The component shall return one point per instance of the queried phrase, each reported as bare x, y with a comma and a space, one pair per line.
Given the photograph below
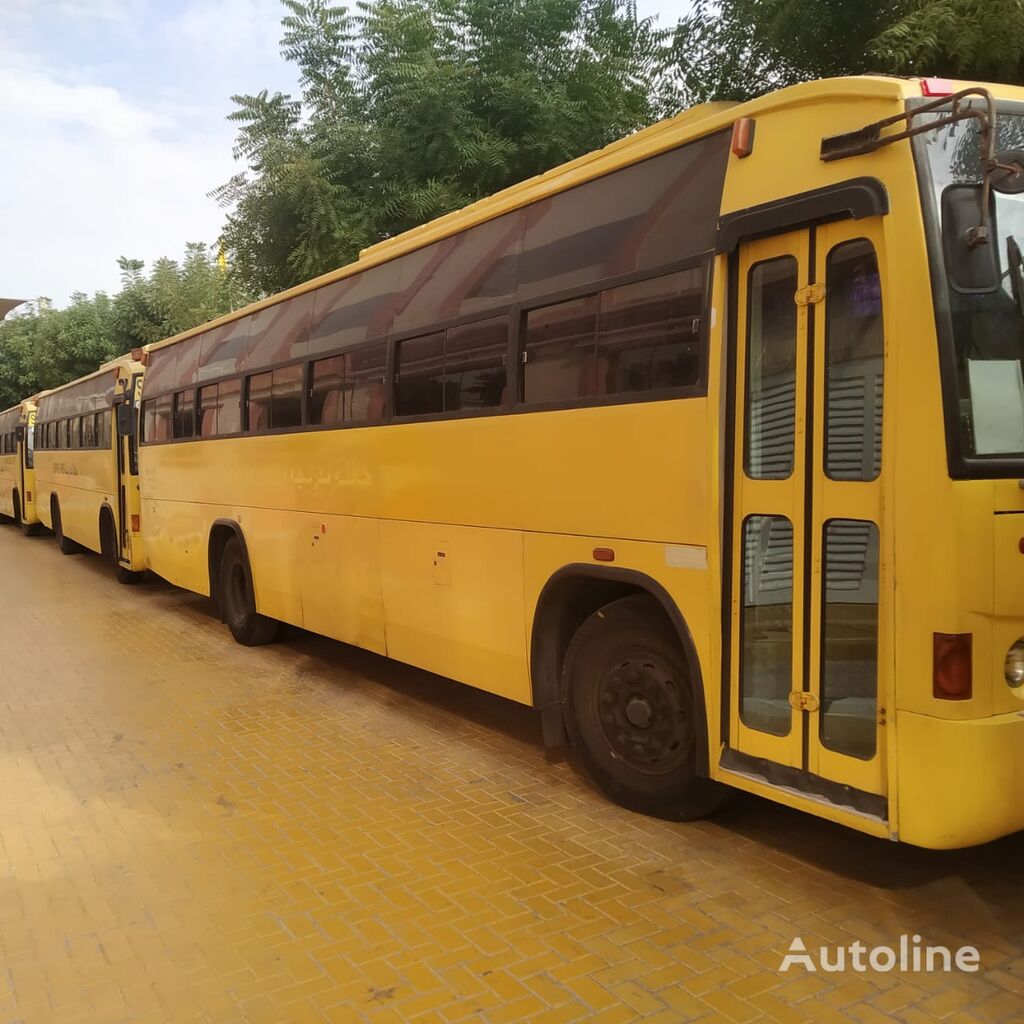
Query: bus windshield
987, 329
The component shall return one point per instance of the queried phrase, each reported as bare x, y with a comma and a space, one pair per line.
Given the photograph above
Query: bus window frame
516, 312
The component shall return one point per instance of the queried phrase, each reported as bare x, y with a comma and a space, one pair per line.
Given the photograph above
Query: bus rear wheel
66, 544
237, 601
630, 712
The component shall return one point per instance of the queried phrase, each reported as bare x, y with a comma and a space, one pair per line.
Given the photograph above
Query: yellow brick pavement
194, 831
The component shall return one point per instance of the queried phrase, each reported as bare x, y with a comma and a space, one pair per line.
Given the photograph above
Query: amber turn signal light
951, 666
743, 137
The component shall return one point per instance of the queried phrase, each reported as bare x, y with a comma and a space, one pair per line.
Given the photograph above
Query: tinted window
184, 413
103, 428
635, 219
849, 647
365, 372
419, 376
770, 419
258, 402
229, 406
327, 392
766, 624
474, 364
89, 431
853, 363
348, 388
560, 353
206, 414
286, 397
157, 417
650, 334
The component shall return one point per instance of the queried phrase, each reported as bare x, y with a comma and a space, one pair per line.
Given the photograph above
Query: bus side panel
340, 578
453, 600
84, 481
177, 538
8, 483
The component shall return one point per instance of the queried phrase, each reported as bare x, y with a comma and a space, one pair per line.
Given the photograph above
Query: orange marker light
743, 137
604, 555
136, 524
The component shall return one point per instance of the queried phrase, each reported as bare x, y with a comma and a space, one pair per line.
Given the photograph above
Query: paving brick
196, 831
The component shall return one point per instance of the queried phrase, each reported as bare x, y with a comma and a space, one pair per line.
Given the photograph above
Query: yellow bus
706, 445
87, 468
17, 466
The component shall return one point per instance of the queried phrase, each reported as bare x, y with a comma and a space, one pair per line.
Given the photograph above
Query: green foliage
973, 39
43, 347
736, 49
412, 108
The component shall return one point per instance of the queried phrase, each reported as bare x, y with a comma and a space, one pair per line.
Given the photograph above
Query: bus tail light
136, 524
951, 666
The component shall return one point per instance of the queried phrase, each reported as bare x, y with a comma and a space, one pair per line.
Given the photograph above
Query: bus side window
184, 414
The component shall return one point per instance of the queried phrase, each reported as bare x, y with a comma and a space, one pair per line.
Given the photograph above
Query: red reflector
951, 666
937, 87
28, 497
743, 137
136, 524
604, 555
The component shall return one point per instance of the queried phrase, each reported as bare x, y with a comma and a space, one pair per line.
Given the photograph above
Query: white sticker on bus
686, 556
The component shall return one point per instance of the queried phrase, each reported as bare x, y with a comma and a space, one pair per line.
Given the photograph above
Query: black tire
109, 550
28, 529
237, 602
630, 712
66, 544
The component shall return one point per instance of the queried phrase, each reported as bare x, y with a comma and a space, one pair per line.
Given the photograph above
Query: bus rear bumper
960, 783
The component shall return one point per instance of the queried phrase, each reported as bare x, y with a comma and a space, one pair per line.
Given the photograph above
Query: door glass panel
766, 657
771, 370
853, 363
849, 653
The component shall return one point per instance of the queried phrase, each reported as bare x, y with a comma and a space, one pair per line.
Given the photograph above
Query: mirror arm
870, 138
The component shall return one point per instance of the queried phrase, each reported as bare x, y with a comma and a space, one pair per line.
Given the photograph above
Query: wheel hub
639, 712
642, 713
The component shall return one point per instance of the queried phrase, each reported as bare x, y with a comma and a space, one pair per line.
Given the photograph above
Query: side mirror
19, 434
125, 420
972, 267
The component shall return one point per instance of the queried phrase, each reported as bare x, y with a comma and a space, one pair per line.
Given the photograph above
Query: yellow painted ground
193, 831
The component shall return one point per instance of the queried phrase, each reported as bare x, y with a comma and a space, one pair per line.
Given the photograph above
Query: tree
412, 108
43, 347
736, 49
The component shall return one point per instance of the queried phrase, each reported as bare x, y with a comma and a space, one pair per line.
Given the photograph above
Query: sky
113, 114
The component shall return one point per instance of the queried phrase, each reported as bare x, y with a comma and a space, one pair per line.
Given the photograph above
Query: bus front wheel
237, 601
630, 712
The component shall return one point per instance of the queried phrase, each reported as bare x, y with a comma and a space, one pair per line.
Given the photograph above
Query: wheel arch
569, 597
221, 531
